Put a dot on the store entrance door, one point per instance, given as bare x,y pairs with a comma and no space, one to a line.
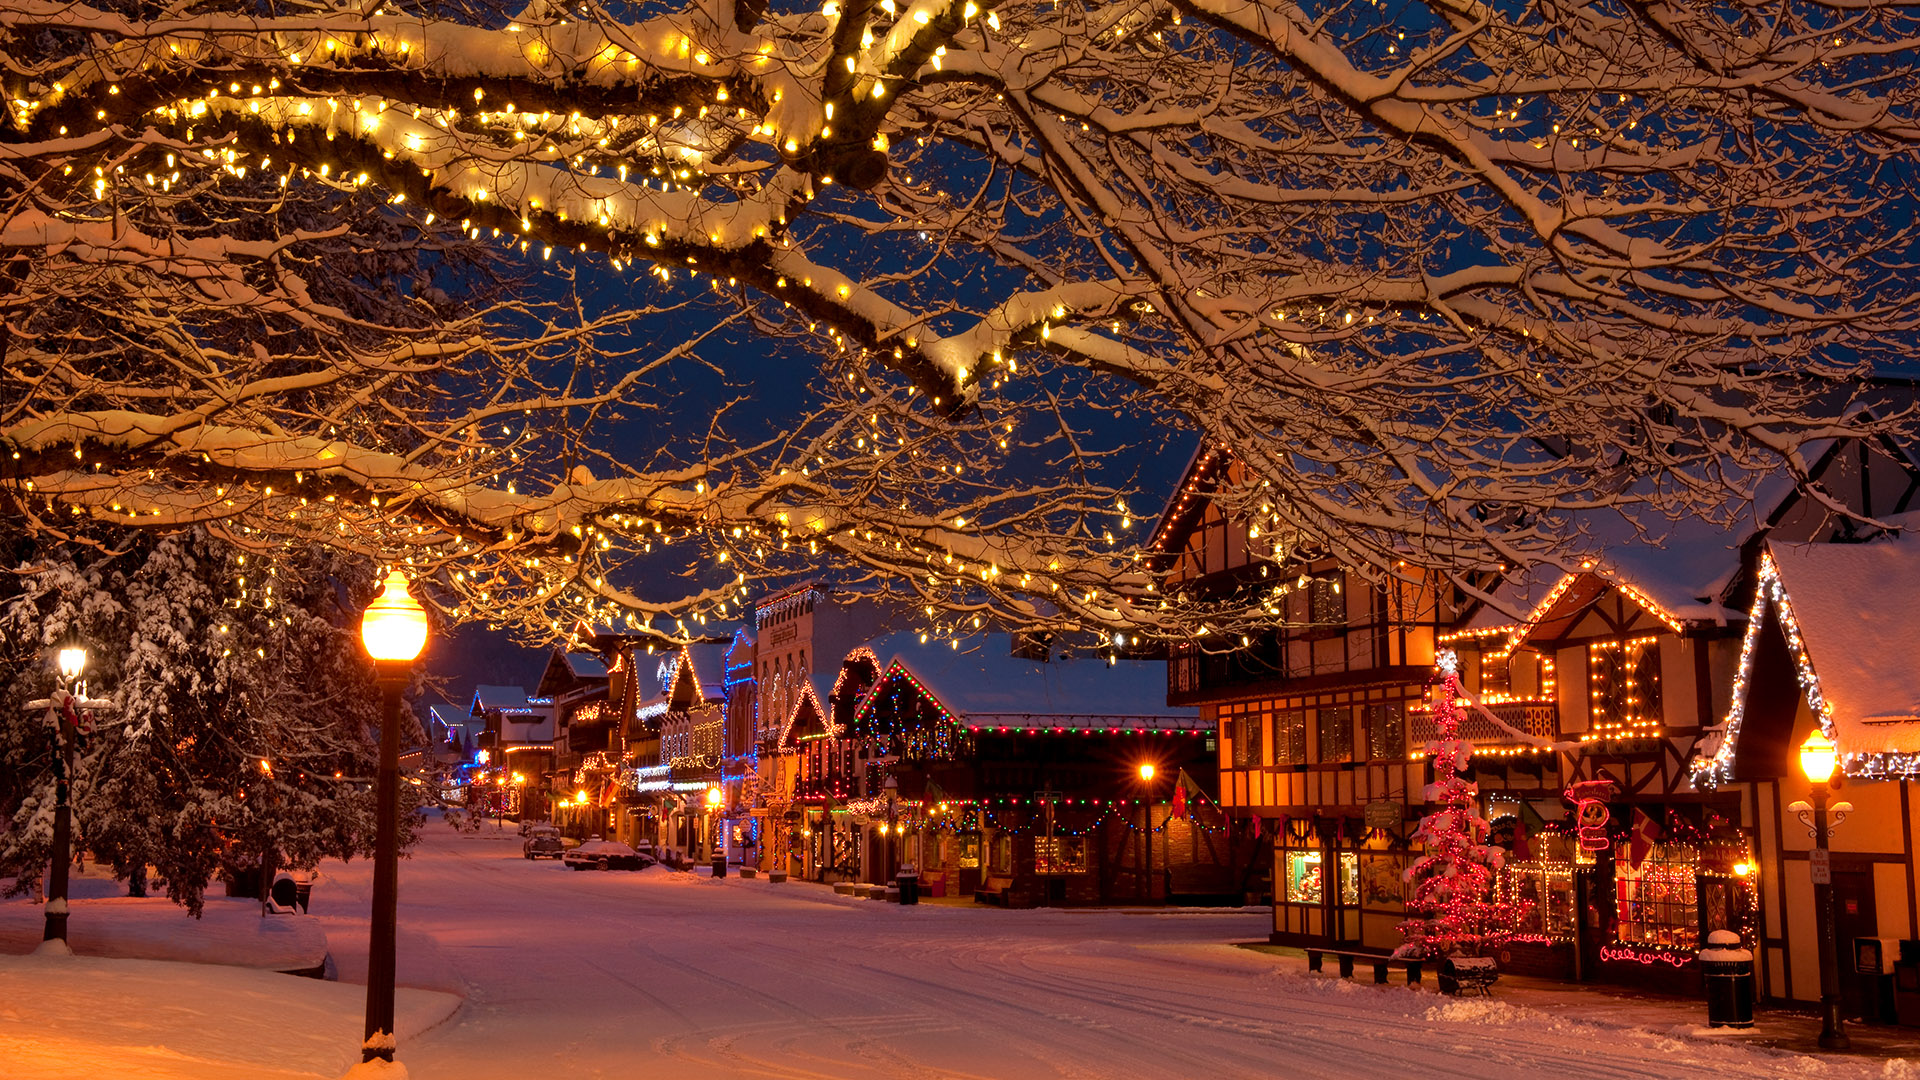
1853,917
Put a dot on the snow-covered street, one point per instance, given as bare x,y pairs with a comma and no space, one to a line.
675,975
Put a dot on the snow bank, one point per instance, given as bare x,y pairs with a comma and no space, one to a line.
230,931
63,1017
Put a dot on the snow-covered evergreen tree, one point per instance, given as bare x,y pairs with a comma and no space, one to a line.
246,715
1451,883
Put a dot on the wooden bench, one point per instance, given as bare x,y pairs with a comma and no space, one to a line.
1379,961
986,894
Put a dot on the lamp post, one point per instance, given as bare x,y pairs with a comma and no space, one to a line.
394,630
63,716
891,788
716,849
1818,756
1146,816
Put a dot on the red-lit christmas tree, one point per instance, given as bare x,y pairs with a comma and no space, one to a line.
1452,882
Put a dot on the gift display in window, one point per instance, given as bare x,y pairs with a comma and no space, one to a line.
1059,855
1657,898
1306,877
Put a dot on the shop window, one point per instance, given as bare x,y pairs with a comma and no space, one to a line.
1543,891
1335,733
1658,900
1386,731
1381,882
1623,685
1290,737
1246,740
1002,854
969,851
1059,855
1306,877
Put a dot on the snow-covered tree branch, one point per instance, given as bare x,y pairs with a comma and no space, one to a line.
1444,278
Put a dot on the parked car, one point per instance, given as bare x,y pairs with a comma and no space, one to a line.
544,846
529,827
605,855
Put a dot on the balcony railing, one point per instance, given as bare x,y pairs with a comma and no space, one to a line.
1539,719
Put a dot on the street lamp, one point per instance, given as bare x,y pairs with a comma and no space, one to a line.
394,630
718,852
891,789
1146,815
1818,755
62,715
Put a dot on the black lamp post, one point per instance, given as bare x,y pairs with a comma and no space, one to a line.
1818,755
1146,817
394,630
72,660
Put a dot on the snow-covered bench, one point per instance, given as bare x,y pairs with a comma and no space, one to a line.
1380,962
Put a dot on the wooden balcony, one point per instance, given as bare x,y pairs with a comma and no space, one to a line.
1537,718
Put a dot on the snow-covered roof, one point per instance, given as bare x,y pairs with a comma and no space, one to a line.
982,677
657,672
586,665
497,697
1684,566
1858,611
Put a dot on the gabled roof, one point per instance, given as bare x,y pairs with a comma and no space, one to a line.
979,675
1847,615
809,714
1857,609
497,697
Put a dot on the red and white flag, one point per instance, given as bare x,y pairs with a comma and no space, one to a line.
1646,833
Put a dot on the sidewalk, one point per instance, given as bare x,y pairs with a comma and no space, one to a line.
1666,1014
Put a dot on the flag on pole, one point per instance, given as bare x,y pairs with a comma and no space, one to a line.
1646,832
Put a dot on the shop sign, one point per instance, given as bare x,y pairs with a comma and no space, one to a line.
1384,814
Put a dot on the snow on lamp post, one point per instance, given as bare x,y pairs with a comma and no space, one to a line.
64,710
1146,816
1818,756
394,630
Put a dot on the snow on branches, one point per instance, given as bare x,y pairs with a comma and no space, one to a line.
1484,269
1452,881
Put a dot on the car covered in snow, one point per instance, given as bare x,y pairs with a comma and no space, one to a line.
605,855
544,846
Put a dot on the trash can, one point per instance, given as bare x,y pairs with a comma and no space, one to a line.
908,882
284,893
720,865
1728,971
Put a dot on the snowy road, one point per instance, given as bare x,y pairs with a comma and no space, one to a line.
670,975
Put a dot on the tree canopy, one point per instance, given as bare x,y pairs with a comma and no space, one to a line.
1444,276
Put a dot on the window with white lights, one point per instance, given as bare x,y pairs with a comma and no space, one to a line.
1386,731
1245,732
1290,737
1623,686
1543,891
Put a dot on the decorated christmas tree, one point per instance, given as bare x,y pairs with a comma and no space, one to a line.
1451,884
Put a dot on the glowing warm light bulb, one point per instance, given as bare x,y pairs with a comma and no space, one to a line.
395,625
1817,757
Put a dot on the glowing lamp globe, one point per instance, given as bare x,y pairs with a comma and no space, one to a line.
394,627
72,660
713,798
1817,757
1146,771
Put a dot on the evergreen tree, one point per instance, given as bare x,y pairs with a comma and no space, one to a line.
246,719
1452,881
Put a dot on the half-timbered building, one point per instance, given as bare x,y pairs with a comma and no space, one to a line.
1591,690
